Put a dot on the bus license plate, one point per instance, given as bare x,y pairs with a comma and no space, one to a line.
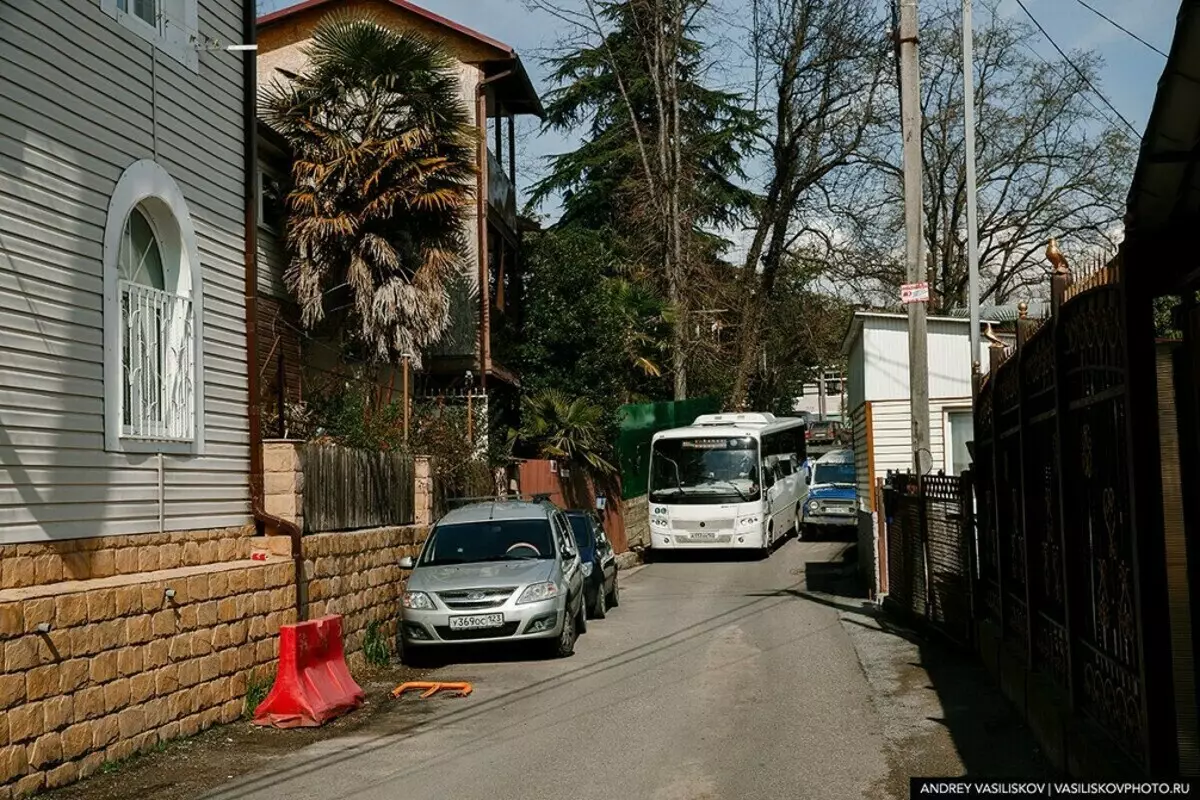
705,536
476,621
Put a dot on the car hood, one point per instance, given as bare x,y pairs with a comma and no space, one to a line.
479,576
831,493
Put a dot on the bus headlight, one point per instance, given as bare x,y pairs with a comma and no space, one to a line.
658,522
746,522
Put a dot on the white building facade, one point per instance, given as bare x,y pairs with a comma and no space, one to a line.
879,408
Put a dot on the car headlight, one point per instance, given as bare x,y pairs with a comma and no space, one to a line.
538,591
747,521
418,600
587,569
814,507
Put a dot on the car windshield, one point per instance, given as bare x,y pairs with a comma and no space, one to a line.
493,540
723,470
582,529
834,473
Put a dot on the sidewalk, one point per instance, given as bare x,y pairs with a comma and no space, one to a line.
941,713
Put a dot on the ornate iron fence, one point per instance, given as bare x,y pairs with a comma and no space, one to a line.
1058,570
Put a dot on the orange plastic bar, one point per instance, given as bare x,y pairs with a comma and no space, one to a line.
462,689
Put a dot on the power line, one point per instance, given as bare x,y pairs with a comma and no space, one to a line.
1083,96
1083,76
1119,26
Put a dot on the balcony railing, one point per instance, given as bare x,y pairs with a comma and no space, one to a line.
158,364
502,194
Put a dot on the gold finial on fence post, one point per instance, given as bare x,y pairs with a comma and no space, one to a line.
1023,323
1060,279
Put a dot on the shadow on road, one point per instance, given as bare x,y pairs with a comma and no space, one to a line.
944,714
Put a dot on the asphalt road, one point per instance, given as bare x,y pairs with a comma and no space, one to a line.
713,680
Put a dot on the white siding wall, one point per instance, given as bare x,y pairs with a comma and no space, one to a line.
892,433
76,104
885,353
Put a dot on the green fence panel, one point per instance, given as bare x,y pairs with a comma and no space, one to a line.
639,423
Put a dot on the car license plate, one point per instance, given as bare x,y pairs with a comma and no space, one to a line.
476,621
703,535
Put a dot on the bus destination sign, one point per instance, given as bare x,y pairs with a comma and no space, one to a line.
715,444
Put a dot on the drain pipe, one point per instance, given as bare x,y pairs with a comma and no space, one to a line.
263,521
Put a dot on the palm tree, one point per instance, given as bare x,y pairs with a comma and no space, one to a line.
558,426
382,179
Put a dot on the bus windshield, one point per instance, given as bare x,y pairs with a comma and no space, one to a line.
697,471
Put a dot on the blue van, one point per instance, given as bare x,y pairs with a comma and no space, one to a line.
832,501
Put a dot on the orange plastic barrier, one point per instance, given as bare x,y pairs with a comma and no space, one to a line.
313,684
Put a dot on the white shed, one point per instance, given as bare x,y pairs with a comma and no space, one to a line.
877,400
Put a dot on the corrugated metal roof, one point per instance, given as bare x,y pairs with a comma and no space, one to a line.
1038,309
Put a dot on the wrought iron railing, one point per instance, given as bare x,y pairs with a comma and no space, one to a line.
158,364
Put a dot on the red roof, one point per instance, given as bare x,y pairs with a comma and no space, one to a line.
438,19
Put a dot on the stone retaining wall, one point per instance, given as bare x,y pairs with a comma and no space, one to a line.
122,662
637,522
358,575
24,565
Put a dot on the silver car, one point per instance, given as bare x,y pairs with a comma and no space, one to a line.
495,572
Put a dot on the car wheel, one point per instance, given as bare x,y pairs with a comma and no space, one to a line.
582,617
614,596
564,645
600,606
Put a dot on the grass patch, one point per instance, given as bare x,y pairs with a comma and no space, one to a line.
375,646
256,691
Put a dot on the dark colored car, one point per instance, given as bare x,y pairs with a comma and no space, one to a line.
824,432
599,563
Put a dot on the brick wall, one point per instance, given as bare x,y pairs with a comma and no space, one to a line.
358,575
123,666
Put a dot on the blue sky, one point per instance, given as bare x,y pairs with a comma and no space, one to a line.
1129,77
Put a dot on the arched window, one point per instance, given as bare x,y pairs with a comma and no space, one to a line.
152,316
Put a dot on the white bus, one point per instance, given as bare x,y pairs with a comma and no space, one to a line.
726,481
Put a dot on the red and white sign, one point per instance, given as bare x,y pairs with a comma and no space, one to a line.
914,293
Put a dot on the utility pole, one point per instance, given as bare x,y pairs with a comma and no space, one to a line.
972,210
918,343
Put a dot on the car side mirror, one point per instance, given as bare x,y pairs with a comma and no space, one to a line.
407,562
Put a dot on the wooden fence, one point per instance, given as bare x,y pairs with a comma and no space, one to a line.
349,489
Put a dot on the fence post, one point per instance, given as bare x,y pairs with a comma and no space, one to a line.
1024,325
422,492
967,497
1059,282
283,480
